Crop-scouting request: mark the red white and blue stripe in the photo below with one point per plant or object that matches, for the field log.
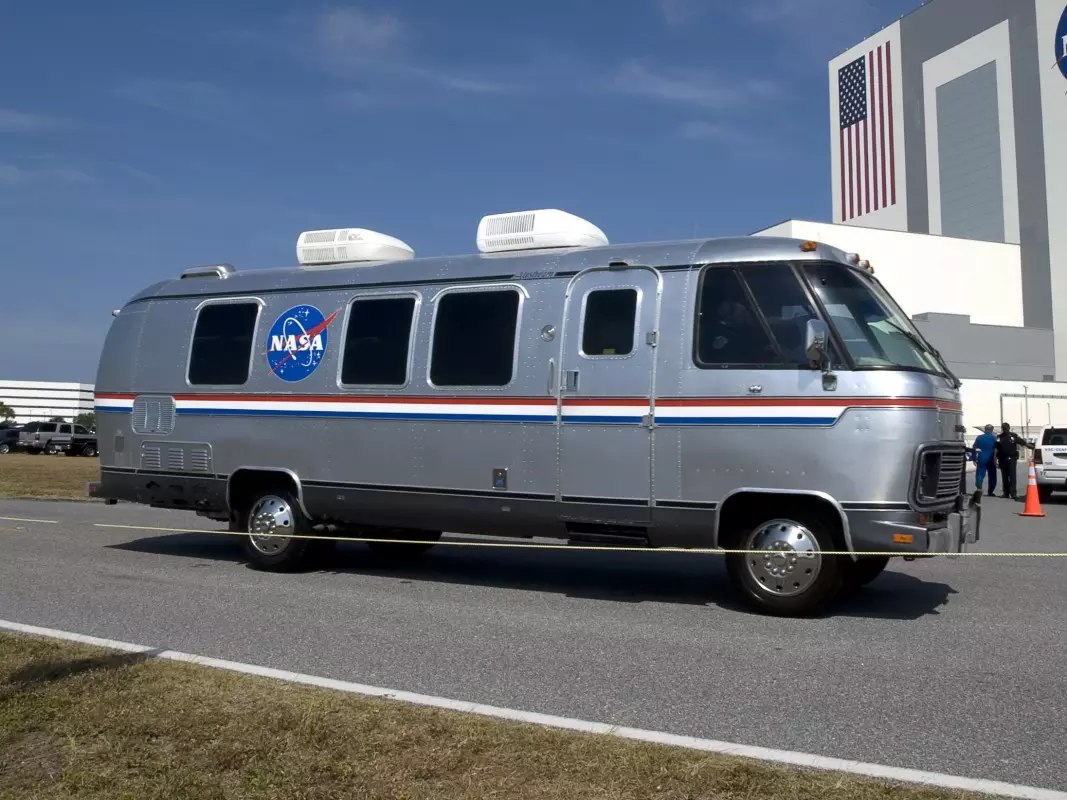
(761, 411)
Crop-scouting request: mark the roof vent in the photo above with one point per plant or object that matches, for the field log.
(534, 230)
(217, 271)
(349, 246)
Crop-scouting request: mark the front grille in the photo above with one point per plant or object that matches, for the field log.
(939, 476)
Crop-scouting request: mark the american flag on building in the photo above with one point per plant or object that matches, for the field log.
(867, 152)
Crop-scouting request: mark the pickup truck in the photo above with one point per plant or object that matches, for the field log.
(57, 437)
(9, 437)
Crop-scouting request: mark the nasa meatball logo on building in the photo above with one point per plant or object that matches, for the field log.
(1061, 43)
(297, 342)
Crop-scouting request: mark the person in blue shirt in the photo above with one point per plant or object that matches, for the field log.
(985, 447)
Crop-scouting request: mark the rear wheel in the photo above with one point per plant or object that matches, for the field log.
(89, 450)
(269, 518)
(1044, 494)
(786, 573)
(5, 448)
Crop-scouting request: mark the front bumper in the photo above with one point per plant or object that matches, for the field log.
(962, 528)
(912, 534)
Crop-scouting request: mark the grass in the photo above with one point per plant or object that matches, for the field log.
(83, 722)
(46, 477)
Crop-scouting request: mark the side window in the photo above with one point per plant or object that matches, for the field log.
(47, 427)
(222, 344)
(80, 429)
(377, 340)
(729, 331)
(784, 306)
(65, 429)
(608, 326)
(474, 338)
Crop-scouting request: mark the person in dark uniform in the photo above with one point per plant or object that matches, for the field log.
(1008, 458)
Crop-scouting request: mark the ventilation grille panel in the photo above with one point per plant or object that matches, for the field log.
(153, 415)
(175, 459)
(199, 458)
(516, 223)
(151, 456)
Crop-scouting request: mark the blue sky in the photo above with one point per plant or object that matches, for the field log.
(136, 141)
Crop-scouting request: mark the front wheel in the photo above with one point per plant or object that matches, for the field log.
(1044, 494)
(270, 517)
(784, 572)
(89, 450)
(862, 571)
(5, 448)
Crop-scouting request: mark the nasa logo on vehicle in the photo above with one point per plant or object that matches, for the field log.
(1061, 43)
(297, 342)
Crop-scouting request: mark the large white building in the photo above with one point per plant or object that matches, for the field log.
(948, 143)
(40, 401)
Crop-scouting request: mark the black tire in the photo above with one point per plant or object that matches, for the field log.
(862, 571)
(1044, 494)
(270, 512)
(403, 547)
(5, 448)
(89, 450)
(50, 449)
(773, 595)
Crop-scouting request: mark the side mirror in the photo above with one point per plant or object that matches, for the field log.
(816, 344)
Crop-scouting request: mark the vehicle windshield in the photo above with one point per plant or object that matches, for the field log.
(872, 327)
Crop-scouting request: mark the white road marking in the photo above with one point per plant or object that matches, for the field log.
(806, 760)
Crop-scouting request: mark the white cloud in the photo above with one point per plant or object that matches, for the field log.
(348, 36)
(12, 176)
(12, 121)
(196, 99)
(700, 130)
(700, 88)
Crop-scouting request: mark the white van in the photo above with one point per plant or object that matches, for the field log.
(1050, 462)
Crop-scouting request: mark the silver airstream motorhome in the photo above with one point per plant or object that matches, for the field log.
(758, 394)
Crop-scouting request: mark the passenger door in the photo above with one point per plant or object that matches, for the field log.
(608, 362)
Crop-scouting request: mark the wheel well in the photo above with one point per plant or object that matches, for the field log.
(741, 512)
(245, 485)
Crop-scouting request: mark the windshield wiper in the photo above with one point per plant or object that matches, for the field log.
(925, 347)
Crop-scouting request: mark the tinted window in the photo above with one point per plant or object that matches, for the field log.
(47, 427)
(608, 328)
(474, 338)
(80, 429)
(376, 342)
(64, 429)
(728, 328)
(31, 427)
(222, 344)
(784, 305)
(1055, 437)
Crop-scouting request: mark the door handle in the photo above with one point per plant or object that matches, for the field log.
(552, 387)
(570, 380)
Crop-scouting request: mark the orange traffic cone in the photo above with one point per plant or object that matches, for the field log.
(1033, 503)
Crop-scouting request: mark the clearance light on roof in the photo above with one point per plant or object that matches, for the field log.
(809, 247)
(533, 230)
(349, 246)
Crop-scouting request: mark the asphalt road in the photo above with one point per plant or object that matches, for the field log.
(954, 666)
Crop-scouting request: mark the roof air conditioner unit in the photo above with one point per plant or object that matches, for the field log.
(535, 230)
(354, 246)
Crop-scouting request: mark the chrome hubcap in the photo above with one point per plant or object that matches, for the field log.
(268, 522)
(789, 562)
